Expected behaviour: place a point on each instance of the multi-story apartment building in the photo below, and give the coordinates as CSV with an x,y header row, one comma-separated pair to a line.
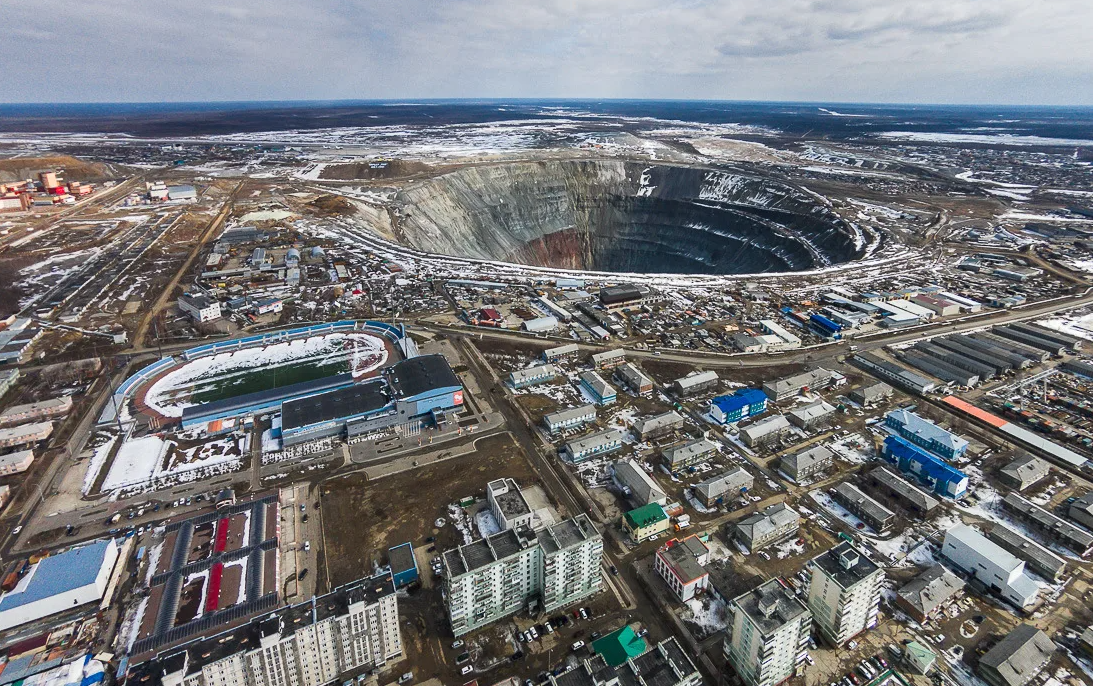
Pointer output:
x,y
520,568
844,594
354,628
770,632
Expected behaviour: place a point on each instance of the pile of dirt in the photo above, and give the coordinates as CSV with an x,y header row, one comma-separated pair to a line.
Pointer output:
x,y
67,167
376,169
332,205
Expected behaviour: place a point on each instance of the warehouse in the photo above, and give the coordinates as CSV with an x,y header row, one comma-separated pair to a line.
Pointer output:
x,y
939,306
995,351
1049,526
1037,558
686,454
557,311
994,568
562,352
802,465
637,484
569,418
815,380
632,377
1033,340
891,488
876,516
418,390
1072,343
983,371
58,583
696,382
1033,354
659,425
732,483
940,368
742,404
602,393
598,443
540,325
533,376
897,374
997,364
773,328
765,431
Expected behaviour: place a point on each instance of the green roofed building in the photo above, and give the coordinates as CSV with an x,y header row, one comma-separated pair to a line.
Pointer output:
x,y
645,522
919,658
619,646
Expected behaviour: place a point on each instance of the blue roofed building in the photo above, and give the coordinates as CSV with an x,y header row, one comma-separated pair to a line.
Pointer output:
x,y
925,434
58,583
930,470
403,564
745,403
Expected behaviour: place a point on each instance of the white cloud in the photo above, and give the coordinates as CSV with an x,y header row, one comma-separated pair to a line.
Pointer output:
x,y
929,50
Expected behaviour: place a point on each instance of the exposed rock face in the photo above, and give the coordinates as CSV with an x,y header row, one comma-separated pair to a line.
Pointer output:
x,y
624,217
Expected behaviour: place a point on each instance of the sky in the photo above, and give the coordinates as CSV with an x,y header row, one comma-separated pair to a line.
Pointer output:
x,y
925,51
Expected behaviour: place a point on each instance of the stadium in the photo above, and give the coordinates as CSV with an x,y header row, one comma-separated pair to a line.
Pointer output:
x,y
345,378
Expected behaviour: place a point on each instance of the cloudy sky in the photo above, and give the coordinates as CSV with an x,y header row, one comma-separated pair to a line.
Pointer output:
x,y
960,51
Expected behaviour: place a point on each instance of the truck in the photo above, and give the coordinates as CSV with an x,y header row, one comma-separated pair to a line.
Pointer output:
x,y
683,521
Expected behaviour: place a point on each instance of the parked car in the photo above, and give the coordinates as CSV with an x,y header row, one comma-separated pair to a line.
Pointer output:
x,y
457,645
302,575
578,645
467,669
406,678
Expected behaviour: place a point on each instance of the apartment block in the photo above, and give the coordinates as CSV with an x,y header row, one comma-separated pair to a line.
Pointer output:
x,y
770,632
844,595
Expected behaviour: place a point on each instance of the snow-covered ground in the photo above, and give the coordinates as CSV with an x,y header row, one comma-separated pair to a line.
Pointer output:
x,y
708,613
152,462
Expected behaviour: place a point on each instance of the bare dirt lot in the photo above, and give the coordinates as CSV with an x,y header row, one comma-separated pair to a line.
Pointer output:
x,y
362,519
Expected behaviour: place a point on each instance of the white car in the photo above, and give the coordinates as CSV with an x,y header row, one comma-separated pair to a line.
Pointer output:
x,y
578,645
467,669
16,531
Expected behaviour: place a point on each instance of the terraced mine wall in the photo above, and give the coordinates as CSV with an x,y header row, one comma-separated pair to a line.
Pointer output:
x,y
617,216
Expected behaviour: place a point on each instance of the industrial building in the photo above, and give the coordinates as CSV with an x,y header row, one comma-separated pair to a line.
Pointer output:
x,y
939,368
634,379
58,583
871,395
844,594
1018,658
637,485
929,470
712,492
1038,559
876,516
1032,339
812,415
533,376
772,524
788,341
625,297
681,563
200,308
892,489
569,418
995,570
590,445
682,455
645,522
770,634
764,431
1048,526
1081,510
804,464
602,393
648,428
562,352
418,390
925,434
742,404
514,569
696,382
929,593
540,324
790,386
897,374
355,628
1023,472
